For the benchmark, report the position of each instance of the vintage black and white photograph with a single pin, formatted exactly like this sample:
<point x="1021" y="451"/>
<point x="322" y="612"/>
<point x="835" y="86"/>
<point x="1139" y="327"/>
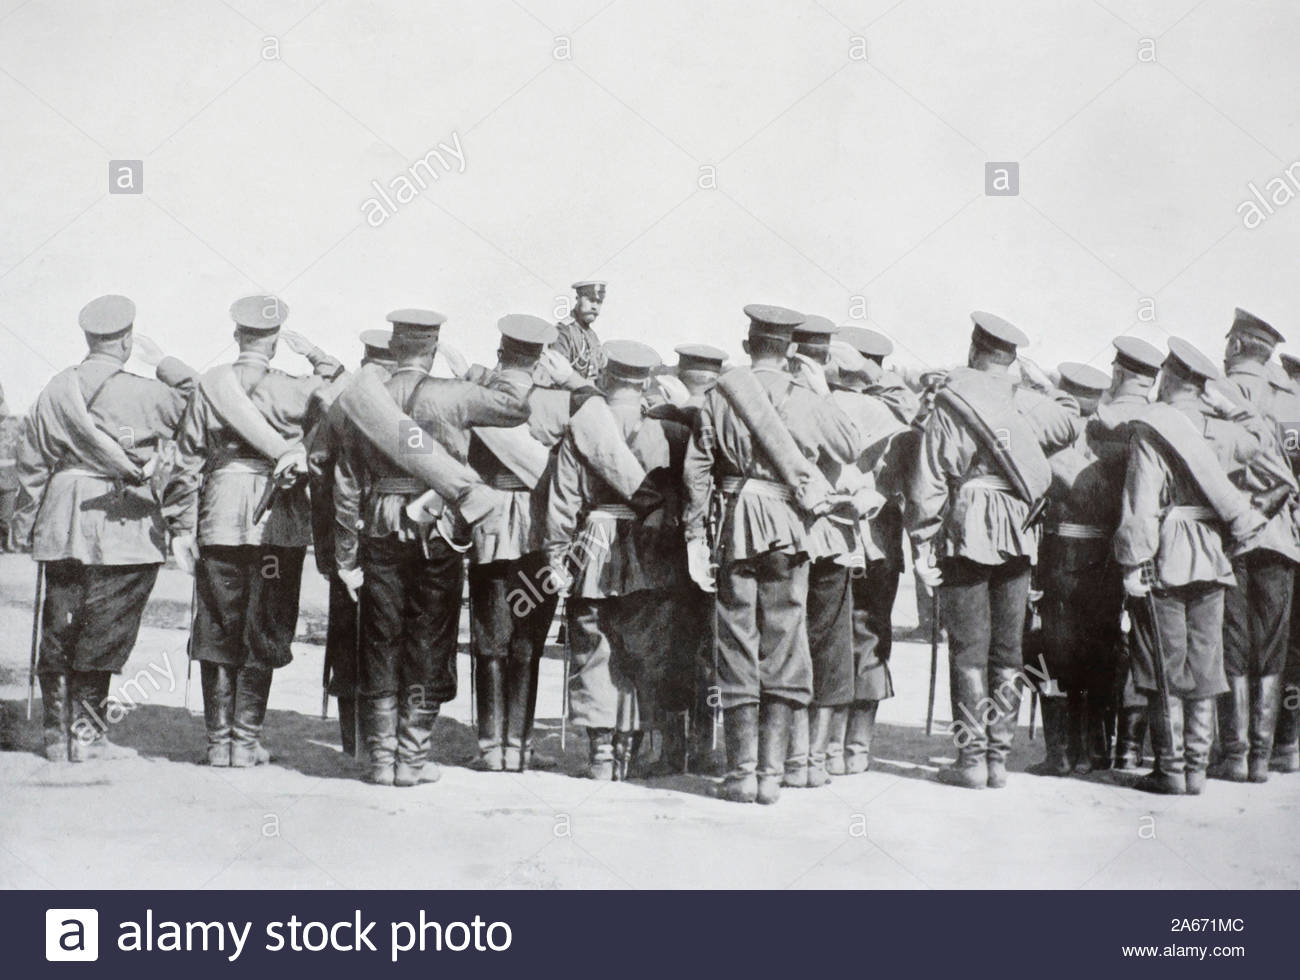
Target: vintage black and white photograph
<point x="628" y="445"/>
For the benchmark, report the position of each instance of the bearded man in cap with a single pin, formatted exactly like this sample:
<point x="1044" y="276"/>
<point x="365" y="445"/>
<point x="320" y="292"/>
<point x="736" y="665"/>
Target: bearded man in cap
<point x="96" y="507"/>
<point x="241" y="445"/>
<point x="576" y="339"/>
<point x="342" y="650"/>
<point x="1180" y="519"/>
<point x="1081" y="595"/>
<point x="621" y="559"/>
<point x="981" y="474"/>
<point x="408" y="573"/>
<point x="756" y="442"/>
<point x="1257" y="608"/>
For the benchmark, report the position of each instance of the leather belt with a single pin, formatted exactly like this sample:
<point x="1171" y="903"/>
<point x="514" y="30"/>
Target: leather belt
<point x="758" y="487"/>
<point x="506" y="480"/>
<point x="397" y="484"/>
<point x="241" y="464"/>
<point x="1081" y="532"/>
<point x="990" y="482"/>
<point x="620" y="512"/>
<point x="1192" y="512"/>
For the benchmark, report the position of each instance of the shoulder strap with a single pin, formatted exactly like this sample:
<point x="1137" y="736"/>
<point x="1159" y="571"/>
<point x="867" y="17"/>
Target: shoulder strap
<point x="99" y="389"/>
<point x="409" y="404"/>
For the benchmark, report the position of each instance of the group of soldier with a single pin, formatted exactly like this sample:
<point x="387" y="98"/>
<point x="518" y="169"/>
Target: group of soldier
<point x="727" y="543"/>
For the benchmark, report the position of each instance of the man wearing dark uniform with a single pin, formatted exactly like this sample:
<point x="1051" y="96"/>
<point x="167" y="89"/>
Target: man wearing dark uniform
<point x="576" y="339"/>
<point x="96" y="515"/>
<point x="1257" y="608"/>
<point x="341" y="648"/>
<point x="241" y="444"/>
<point x="1081" y="596"/>
<point x="757" y="438"/>
<point x="408" y="575"/>
<point x="981" y="469"/>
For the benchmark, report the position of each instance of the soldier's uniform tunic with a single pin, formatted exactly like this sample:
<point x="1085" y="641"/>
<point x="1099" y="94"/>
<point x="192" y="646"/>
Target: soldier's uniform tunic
<point x="1286" y="742"/>
<point x="580" y="346"/>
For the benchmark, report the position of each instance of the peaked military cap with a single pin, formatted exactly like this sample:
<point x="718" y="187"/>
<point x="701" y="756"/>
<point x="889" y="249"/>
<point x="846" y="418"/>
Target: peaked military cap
<point x="1290" y="364"/>
<point x="416" y="324"/>
<point x="868" y="343"/>
<point x="1080" y="379"/>
<point x="1137" y="355"/>
<point x="699" y="357"/>
<point x="775" y="322"/>
<point x="593" y="287"/>
<point x="525" y="333"/>
<point x="259" y="313"/>
<point x="1248" y="325"/>
<point x="630" y="359"/>
<point x="816" y="330"/>
<point x="994" y="332"/>
<point x="106" y="315"/>
<point x="1186" y="360"/>
<point x="376" y="343"/>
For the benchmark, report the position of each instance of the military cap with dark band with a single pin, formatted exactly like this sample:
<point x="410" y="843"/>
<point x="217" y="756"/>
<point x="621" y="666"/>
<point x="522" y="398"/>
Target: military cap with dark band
<point x="416" y="324"/>
<point x="376" y="344"/>
<point x="993" y="332"/>
<point x="629" y="359"/>
<point x="261" y="314"/>
<point x="1186" y="361"/>
<point x="525" y="334"/>
<point x="866" y="342"/>
<point x="1082" y="380"/>
<point x="773" y="322"/>
<point x="816" y="331"/>
<point x="106" y="316"/>
<point x="700" y="357"/>
<point x="592" y="287"/>
<point x="1248" y="325"/>
<point x="1136" y="355"/>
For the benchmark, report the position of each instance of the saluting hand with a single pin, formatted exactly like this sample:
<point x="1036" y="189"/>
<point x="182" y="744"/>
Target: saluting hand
<point x="296" y="342"/>
<point x="814" y="374"/>
<point x="456" y="361"/>
<point x="146" y="350"/>
<point x="553" y="370"/>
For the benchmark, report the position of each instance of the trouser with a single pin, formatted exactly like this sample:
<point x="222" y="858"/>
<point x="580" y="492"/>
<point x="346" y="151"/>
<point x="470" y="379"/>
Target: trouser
<point x="341" y="648"/>
<point x="91" y="615"/>
<point x="873" y="590"/>
<point x="762" y="630"/>
<point x="983" y="610"/>
<point x="1257" y="615"/>
<point x="247" y="604"/>
<point x="617" y="658"/>
<point x="830" y="633"/>
<point x="1190" y="640"/>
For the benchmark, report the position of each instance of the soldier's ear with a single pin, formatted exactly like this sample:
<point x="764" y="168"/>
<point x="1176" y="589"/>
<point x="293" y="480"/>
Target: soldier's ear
<point x="745" y="345"/>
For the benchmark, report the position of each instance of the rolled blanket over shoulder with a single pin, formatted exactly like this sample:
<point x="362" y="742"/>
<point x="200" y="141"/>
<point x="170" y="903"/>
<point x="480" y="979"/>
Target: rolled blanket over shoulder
<point x="517" y="450"/>
<point x="600" y="443"/>
<point x="92" y="444"/>
<point x="221" y="387"/>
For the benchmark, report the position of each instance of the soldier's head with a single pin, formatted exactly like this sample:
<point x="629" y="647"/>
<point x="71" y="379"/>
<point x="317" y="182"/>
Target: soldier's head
<point x="1250" y="339"/>
<point x="872" y="345"/>
<point x="588" y="298"/>
<point x="375" y="349"/>
<point x="812" y="338"/>
<point x="993" y="343"/>
<point x="523" y="338"/>
<point x="415" y="337"/>
<point x="257" y="323"/>
<point x="1135" y="366"/>
<point x="629" y="366"/>
<point x="771" y="334"/>
<point x="1184" y="371"/>
<point x="1084" y="384"/>
<point x="698" y="366"/>
<point x="107" y="323"/>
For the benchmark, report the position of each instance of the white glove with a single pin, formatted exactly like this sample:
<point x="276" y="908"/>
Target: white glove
<point x="1134" y="586"/>
<point x="813" y="374"/>
<point x="146" y="350"/>
<point x="352" y="579"/>
<point x="185" y="551"/>
<point x="926" y="569"/>
<point x="552" y="370"/>
<point x="456" y="361"/>
<point x="673" y="390"/>
<point x="559" y="571"/>
<point x="699" y="565"/>
<point x="425" y="508"/>
<point x="1220" y="403"/>
<point x="291" y="467"/>
<point x="1032" y="375"/>
<point x="297" y="343"/>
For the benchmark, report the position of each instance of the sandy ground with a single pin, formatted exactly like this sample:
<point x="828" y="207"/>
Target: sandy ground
<point x="161" y="821"/>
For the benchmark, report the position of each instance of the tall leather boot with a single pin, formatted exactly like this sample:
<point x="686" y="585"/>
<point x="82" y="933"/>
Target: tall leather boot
<point x="1266" y="699"/>
<point x="836" y="764"/>
<point x="627" y="746"/>
<point x="1002" y="729"/>
<point x="56" y="716"/>
<point x="859" y="733"/>
<point x="970" y="771"/>
<point x="252" y="689"/>
<point x="1056" y="762"/>
<point x="1077" y="728"/>
<point x="1198" y="734"/>
<point x="1099" y="741"/>
<point x="819" y="739"/>
<point x="600" y="763"/>
<point x="740" y="727"/>
<point x="1234" y="731"/>
<point x="379" y="735"/>
<point x="88" y="741"/>
<point x="796" y="757"/>
<point x="490" y="698"/>
<point x="1132" y="733"/>
<point x="773" y="736"/>
<point x="348" y="726"/>
<point x="416" y="716"/>
<point x="520" y="704"/>
<point x="1286" y="740"/>
<point x="218" y="682"/>
<point x="672" y="750"/>
<point x="1165" y="718"/>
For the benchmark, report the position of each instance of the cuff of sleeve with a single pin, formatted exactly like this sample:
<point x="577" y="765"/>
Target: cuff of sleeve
<point x="173" y="372"/>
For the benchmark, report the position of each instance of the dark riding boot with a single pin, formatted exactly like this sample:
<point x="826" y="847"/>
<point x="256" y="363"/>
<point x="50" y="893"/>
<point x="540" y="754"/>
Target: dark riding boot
<point x="970" y="771"/>
<point x="520" y="705"/>
<point x="672" y="749"/>
<point x="773" y="736"/>
<point x="1198" y="735"/>
<point x="836" y="763"/>
<point x="348" y="726"/>
<point x="1056" y="762"/>
<point x="859" y="733"/>
<point x="819" y="739"/>
<point x="252" y="690"/>
<point x="600" y="764"/>
<point x="1286" y="740"/>
<point x="1234" y="732"/>
<point x="56" y="716"/>
<point x="1266" y="699"/>
<point x="740" y="727"/>
<point x="1100" y="738"/>
<point x="627" y="746"/>
<point x="1077" y="747"/>
<point x="416" y="716"/>
<point x="1002" y="729"/>
<point x="490" y="698"/>
<point x="1132" y="733"/>
<point x="796" y="756"/>
<point x="88" y="741"/>
<point x="379" y="735"/>
<point x="1165" y="719"/>
<point x="218" y="682"/>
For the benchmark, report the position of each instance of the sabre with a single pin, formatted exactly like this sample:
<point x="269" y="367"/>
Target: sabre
<point x="38" y="623"/>
<point x="264" y="503"/>
<point x="564" y="688"/>
<point x="1162" y="680"/>
<point x="325" y="684"/>
<point x="934" y="659"/>
<point x="358" y="752"/>
<point x="189" y="642"/>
